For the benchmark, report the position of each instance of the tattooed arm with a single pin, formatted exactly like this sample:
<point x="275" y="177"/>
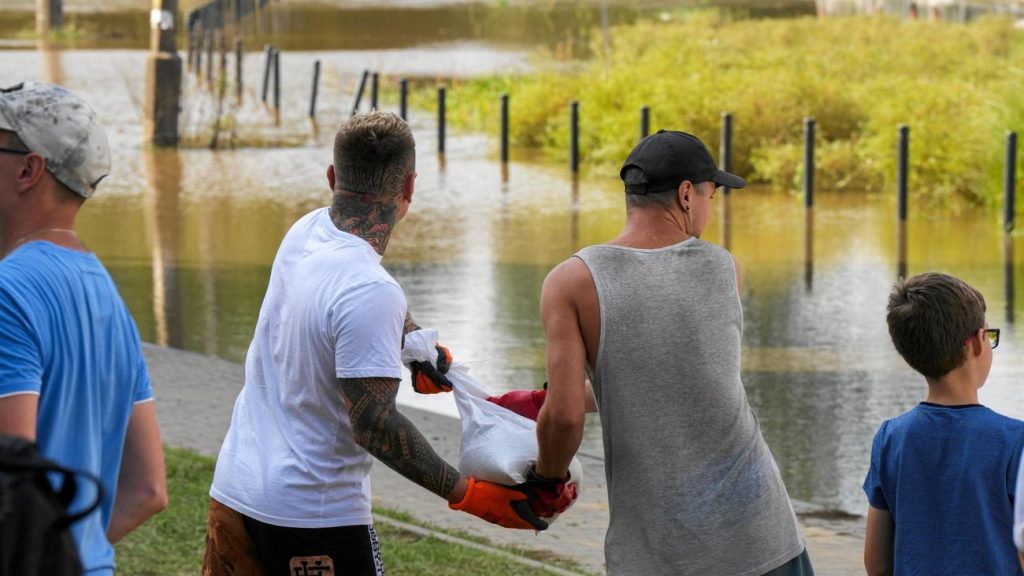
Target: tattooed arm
<point x="383" y="431"/>
<point x="410" y="324"/>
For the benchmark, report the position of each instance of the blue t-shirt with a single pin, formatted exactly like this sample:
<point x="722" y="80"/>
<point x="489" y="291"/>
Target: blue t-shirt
<point x="947" y="476"/>
<point x="66" y="335"/>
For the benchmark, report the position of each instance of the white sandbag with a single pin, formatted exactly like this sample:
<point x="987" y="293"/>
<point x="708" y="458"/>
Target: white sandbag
<point x="498" y="445"/>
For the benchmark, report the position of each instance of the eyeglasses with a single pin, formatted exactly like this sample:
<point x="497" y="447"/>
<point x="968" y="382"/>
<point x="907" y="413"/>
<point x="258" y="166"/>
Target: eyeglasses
<point x="13" y="151"/>
<point x="993" y="337"/>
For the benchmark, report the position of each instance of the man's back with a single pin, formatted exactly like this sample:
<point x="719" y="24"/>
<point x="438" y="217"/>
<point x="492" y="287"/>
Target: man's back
<point x="692" y="486"/>
<point x="947" y="476"/>
<point x="290" y="458"/>
<point x="65" y="334"/>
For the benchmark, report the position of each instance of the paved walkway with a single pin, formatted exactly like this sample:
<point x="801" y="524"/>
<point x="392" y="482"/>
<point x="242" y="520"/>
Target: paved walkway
<point x="195" y="395"/>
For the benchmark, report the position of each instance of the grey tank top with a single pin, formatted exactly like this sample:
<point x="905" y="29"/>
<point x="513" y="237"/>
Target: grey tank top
<point x="692" y="486"/>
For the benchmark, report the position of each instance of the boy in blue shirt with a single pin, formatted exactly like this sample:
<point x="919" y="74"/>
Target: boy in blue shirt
<point x="942" y="478"/>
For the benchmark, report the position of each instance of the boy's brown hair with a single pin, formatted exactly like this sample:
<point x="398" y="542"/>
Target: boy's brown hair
<point x="930" y="317"/>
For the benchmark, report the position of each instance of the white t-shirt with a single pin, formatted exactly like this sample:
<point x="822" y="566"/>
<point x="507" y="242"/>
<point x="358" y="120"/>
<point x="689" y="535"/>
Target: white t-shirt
<point x="331" y="311"/>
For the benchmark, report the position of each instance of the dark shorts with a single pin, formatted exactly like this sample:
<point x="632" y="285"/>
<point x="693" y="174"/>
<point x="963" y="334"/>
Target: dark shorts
<point x="237" y="545"/>
<point x="799" y="566"/>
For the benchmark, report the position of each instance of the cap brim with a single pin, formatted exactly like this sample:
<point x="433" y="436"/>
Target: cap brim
<point x="728" y="180"/>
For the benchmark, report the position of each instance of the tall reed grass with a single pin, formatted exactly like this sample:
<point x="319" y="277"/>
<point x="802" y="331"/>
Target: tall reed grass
<point x="959" y="88"/>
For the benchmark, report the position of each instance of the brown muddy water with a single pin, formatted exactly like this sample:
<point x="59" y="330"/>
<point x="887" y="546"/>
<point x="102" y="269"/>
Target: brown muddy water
<point x="190" y="235"/>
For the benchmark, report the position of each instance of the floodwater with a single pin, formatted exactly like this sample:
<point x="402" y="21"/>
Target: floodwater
<point x="190" y="235"/>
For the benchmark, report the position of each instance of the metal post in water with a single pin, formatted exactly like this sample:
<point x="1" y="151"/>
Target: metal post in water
<point x="238" y="69"/>
<point x="359" y="92"/>
<point x="209" y="58"/>
<point x="441" y="104"/>
<point x="901" y="199"/>
<point x="1009" y="283"/>
<point x="374" y="80"/>
<point x="316" y="86"/>
<point x="1010" y="182"/>
<point x="268" y="55"/>
<point x="725" y="155"/>
<point x="403" y="98"/>
<point x="645" y="121"/>
<point x="901" y="176"/>
<point x="504" y="128"/>
<point x="809" y="162"/>
<point x="277" y="81"/>
<point x="574" y="137"/>
<point x="49" y="16"/>
<point x="163" y="78"/>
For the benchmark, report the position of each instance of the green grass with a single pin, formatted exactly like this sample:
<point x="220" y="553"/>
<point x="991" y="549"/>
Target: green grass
<point x="957" y="86"/>
<point x="172" y="543"/>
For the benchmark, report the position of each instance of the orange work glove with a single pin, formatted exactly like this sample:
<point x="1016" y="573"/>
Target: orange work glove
<point x="523" y="402"/>
<point x="505" y="506"/>
<point x="426" y="379"/>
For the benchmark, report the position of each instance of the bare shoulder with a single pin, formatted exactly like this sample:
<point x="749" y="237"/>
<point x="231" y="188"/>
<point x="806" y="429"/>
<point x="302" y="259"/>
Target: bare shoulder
<point x="568" y="278"/>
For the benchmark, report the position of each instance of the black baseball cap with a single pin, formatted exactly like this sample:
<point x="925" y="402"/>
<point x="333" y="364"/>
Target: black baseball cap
<point x="667" y="157"/>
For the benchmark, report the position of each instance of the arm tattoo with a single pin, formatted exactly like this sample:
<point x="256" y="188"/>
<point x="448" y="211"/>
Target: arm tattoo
<point x="384" y="432"/>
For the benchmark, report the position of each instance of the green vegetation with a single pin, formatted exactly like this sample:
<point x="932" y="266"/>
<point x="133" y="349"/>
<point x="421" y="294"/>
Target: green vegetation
<point x="956" y="86"/>
<point x="172" y="543"/>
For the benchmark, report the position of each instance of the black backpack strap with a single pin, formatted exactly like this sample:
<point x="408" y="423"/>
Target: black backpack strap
<point x="21" y="454"/>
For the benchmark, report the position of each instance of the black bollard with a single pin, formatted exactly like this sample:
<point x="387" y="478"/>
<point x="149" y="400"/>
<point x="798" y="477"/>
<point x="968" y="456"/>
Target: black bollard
<point x="1010" y="182"/>
<point x="725" y="152"/>
<point x="238" y="69"/>
<point x="645" y="122"/>
<point x="403" y="98"/>
<point x="574" y="136"/>
<point x="440" y="119"/>
<point x="809" y="162"/>
<point x="267" y="57"/>
<point x="316" y="85"/>
<point x="209" y="58"/>
<point x="359" y="92"/>
<point x="373" y="90"/>
<point x="277" y="80"/>
<point x="504" y="128"/>
<point x="901" y="177"/>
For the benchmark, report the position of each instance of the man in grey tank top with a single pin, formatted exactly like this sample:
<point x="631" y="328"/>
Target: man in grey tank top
<point x="654" y="318"/>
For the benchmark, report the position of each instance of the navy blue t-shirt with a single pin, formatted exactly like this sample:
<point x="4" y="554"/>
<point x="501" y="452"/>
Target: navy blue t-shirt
<point x="947" y="476"/>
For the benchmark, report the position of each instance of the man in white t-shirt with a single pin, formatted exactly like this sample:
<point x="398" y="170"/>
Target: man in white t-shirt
<point x="292" y="488"/>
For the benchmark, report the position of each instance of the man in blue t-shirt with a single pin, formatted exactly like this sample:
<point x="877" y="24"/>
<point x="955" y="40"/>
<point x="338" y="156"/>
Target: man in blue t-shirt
<point x="72" y="375"/>
<point x="942" y="480"/>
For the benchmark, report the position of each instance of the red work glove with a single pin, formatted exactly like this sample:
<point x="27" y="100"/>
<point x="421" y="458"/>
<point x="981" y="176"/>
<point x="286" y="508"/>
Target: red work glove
<point x="523" y="402"/>
<point x="426" y="379"/>
<point x="505" y="506"/>
<point x="549" y="497"/>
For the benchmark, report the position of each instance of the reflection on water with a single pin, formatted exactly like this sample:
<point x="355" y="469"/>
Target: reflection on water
<point x="189" y="237"/>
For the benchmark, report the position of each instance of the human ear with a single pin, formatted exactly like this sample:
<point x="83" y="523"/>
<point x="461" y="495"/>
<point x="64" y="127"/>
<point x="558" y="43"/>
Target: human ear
<point x="31" y="171"/>
<point x="330" y="176"/>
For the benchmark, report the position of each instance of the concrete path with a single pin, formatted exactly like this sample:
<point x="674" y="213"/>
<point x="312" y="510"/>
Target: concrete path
<point x="195" y="395"/>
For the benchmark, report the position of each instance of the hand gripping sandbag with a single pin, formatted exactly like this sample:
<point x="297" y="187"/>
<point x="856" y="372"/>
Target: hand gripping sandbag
<point x="498" y="445"/>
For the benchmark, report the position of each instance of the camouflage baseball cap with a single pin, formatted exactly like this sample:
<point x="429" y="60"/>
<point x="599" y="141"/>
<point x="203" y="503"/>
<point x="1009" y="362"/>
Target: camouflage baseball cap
<point x="62" y="128"/>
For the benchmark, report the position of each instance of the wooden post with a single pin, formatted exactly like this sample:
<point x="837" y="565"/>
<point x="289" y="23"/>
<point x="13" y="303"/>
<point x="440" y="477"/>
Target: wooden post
<point x="49" y="16"/>
<point x="1010" y="182"/>
<point x="374" y="81"/>
<point x="809" y="162"/>
<point x="725" y="154"/>
<point x="403" y="98"/>
<point x="163" y="77"/>
<point x="359" y="92"/>
<point x="238" y="69"/>
<point x="574" y="137"/>
<point x="441" y="118"/>
<point x="504" y="128"/>
<point x="903" y="154"/>
<point x="268" y="56"/>
<point x="316" y="85"/>
<point x="645" y="122"/>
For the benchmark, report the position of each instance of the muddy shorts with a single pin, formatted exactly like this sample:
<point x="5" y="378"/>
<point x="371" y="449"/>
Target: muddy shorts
<point x="237" y="545"/>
